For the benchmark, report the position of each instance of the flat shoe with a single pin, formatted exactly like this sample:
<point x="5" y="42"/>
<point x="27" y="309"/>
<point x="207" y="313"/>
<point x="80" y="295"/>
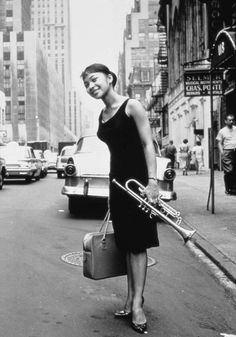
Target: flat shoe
<point x="140" y="328"/>
<point x="122" y="314"/>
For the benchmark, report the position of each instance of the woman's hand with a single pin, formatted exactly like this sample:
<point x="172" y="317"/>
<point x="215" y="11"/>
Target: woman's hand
<point x="151" y="191"/>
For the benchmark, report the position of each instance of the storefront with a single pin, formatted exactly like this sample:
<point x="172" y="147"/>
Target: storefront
<point x="224" y="58"/>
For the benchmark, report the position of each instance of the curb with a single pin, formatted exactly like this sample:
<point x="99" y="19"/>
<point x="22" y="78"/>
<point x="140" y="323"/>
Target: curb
<point x="223" y="262"/>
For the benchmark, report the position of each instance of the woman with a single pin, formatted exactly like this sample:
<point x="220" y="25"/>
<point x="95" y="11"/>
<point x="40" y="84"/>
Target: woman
<point x="197" y="152"/>
<point x="124" y="127"/>
<point x="184" y="153"/>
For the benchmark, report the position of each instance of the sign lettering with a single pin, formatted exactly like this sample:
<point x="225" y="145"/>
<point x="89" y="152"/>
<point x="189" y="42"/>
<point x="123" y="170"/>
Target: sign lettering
<point x="197" y="83"/>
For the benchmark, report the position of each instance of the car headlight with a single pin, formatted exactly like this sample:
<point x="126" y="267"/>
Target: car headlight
<point x="70" y="170"/>
<point x="169" y="174"/>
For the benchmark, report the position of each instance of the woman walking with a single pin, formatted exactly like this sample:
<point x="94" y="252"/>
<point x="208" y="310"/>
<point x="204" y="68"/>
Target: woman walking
<point x="184" y="154"/>
<point x="197" y="152"/>
<point x="124" y="127"/>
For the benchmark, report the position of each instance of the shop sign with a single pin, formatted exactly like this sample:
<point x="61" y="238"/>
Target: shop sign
<point x="197" y="83"/>
<point x="224" y="48"/>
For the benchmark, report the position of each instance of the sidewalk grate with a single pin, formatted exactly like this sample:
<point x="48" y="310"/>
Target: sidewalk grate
<point x="76" y="259"/>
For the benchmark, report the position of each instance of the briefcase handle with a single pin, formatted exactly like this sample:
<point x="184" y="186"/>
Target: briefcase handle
<point x="105" y="225"/>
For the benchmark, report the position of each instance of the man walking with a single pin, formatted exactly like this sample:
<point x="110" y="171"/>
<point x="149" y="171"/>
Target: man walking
<point x="170" y="152"/>
<point x="227" y="146"/>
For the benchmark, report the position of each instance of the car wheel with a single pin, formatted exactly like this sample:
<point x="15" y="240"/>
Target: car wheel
<point x="28" y="179"/>
<point x="1" y="181"/>
<point x="59" y="175"/>
<point x="73" y="205"/>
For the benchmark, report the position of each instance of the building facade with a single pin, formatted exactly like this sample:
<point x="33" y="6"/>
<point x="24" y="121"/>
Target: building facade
<point x="191" y="28"/>
<point x="2" y="117"/>
<point x="33" y="90"/>
<point x="34" y="93"/>
<point x="51" y="21"/>
<point x="75" y="112"/>
<point x="139" y="49"/>
<point x="15" y="15"/>
<point x="139" y="73"/>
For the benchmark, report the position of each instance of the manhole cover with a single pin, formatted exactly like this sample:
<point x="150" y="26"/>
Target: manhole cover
<point x="76" y="259"/>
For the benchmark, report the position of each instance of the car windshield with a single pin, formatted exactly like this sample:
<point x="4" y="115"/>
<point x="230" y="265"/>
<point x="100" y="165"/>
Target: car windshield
<point x="50" y="156"/>
<point x="15" y="152"/>
<point x="68" y="151"/>
<point x="90" y="144"/>
<point x="38" y="154"/>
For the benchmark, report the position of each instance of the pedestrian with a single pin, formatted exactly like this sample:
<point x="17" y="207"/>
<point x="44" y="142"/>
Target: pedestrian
<point x="124" y="127"/>
<point x="170" y="152"/>
<point x="227" y="146"/>
<point x="198" y="156"/>
<point x="184" y="156"/>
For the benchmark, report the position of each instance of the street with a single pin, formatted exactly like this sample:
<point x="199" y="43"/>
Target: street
<point x="42" y="296"/>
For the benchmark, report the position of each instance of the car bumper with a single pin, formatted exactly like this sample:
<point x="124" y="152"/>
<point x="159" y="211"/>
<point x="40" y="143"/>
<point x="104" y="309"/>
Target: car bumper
<point x="88" y="187"/>
<point x="167" y="195"/>
<point x="60" y="168"/>
<point x="17" y="174"/>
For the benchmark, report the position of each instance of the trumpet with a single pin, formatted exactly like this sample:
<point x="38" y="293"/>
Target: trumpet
<point x="161" y="209"/>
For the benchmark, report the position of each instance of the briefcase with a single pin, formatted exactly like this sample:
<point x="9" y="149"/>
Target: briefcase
<point x="101" y="256"/>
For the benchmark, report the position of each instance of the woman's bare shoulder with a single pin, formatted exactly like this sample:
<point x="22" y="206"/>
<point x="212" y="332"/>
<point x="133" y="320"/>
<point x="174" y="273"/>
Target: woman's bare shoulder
<point x="133" y="107"/>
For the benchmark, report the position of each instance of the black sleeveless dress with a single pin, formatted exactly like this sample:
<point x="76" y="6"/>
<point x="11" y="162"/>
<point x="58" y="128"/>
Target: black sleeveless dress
<point x="134" y="230"/>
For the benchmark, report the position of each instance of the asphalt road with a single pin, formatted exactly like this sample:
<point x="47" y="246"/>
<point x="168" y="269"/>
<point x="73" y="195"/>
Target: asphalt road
<point x="43" y="296"/>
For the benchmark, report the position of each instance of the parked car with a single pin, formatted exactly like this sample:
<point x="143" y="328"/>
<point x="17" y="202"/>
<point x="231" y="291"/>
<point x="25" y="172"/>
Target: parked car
<point x="65" y="153"/>
<point x="51" y="158"/>
<point x="3" y="171"/>
<point x="165" y="176"/>
<point x="40" y="156"/>
<point x="87" y="173"/>
<point x="21" y="162"/>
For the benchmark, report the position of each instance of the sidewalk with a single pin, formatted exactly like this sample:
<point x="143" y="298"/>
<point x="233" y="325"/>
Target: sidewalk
<point x="216" y="233"/>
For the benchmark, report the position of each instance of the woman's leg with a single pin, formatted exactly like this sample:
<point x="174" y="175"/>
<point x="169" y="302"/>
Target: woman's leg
<point x="130" y="294"/>
<point x="197" y="166"/>
<point x="138" y="266"/>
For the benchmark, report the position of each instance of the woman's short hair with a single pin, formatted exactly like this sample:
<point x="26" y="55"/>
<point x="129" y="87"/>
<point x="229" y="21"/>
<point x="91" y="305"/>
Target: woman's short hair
<point x="99" y="68"/>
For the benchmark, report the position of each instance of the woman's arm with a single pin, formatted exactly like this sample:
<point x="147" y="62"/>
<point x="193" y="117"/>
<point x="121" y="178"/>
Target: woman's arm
<point x="137" y="112"/>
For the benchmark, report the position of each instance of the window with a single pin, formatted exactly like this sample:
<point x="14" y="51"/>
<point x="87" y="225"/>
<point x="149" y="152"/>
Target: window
<point x="7" y="91"/>
<point x="20" y="73"/>
<point x="8" y="111"/>
<point x="165" y="121"/>
<point x="9" y="29"/>
<point x="20" y="37"/>
<point x="21" y="110"/>
<point x="9" y="13"/>
<point x="6" y="56"/>
<point x="6" y="37"/>
<point x="20" y="55"/>
<point x="20" y="89"/>
<point x="7" y="72"/>
<point x="145" y="76"/>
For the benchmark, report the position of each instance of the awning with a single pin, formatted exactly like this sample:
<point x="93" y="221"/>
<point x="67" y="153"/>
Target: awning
<point x="224" y="52"/>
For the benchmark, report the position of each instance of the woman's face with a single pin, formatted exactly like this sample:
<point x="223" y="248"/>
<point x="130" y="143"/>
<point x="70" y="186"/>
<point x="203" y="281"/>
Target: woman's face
<point x="97" y="84"/>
